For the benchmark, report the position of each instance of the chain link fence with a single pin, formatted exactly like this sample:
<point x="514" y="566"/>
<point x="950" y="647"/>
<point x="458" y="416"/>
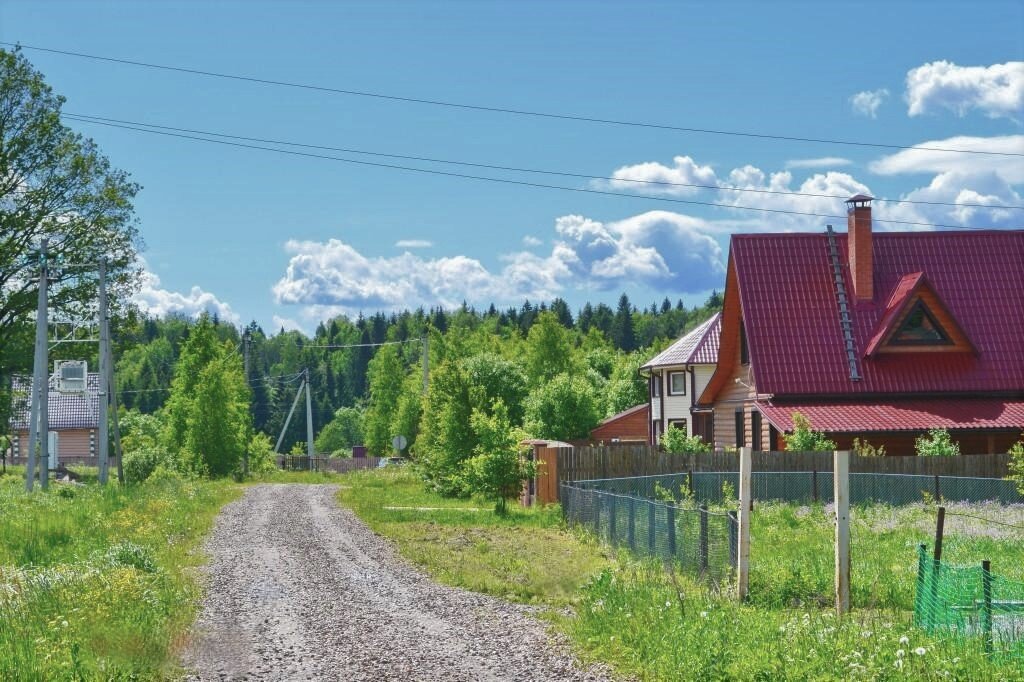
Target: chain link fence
<point x="970" y="602"/>
<point x="699" y="540"/>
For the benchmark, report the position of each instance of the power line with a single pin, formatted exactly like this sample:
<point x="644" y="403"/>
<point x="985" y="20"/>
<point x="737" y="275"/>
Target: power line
<point x="102" y="120"/>
<point x="521" y="183"/>
<point x="499" y="110"/>
<point x="982" y="518"/>
<point x="360" y="345"/>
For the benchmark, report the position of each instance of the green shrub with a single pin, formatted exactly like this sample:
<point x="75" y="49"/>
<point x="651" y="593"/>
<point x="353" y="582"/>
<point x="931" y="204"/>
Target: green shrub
<point x="676" y="441"/>
<point x="805" y="439"/>
<point x="866" y="449"/>
<point x="261" y="454"/>
<point x="937" y="444"/>
<point x="498" y="468"/>
<point x="140" y="464"/>
<point x="1017" y="464"/>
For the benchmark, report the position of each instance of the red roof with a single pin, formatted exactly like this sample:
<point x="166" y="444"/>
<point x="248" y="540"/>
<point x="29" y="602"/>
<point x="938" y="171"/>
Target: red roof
<point x="791" y="315"/>
<point x="904" y="415"/>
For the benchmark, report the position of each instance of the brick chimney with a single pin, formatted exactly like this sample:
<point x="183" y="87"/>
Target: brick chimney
<point x="858" y="222"/>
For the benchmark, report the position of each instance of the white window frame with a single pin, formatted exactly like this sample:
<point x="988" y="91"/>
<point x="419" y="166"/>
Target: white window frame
<point x="670" y="376"/>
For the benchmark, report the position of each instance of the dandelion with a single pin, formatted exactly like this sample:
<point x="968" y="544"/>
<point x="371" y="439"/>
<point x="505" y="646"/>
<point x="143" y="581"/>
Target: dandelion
<point x="866" y="634"/>
<point x="703" y="614"/>
<point x="668" y="604"/>
<point x="900" y="653"/>
<point x="899" y="664"/>
<point x="904" y="640"/>
<point x="920" y="651"/>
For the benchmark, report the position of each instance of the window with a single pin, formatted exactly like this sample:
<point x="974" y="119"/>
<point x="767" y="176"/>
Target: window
<point x="920" y="328"/>
<point x="679" y="424"/>
<point x="655" y="385"/>
<point x="677" y="383"/>
<point x="755" y="430"/>
<point x="741" y="436"/>
<point x="773" y="438"/>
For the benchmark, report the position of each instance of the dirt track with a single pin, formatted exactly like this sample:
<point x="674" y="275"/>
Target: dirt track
<point x="300" y="589"/>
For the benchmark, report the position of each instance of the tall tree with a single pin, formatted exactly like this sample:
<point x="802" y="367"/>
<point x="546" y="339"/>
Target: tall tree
<point x="54" y="184"/>
<point x="548" y="349"/>
<point x="623" y="335"/>
<point x="386" y="377"/>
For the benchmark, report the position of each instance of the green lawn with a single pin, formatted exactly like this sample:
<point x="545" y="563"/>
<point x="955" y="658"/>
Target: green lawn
<point x="98" y="583"/>
<point x="657" y="624"/>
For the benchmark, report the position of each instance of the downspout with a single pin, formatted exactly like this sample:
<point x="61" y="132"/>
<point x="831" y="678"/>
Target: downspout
<point x="693" y="398"/>
<point x="661" y="400"/>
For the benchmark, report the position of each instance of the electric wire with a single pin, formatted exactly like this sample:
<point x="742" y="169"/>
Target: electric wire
<point x="89" y="118"/>
<point x="523" y="183"/>
<point x="987" y="520"/>
<point x="495" y="109"/>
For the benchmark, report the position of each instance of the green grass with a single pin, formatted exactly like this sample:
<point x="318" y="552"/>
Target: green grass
<point x="655" y="624"/>
<point x="99" y="583"/>
<point x="525" y="556"/>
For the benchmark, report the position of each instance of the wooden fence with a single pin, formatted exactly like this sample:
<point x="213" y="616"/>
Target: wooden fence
<point x="339" y="465"/>
<point x="580" y="464"/>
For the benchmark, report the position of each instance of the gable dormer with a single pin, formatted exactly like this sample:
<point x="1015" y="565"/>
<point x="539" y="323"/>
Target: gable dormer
<point x="917" y="321"/>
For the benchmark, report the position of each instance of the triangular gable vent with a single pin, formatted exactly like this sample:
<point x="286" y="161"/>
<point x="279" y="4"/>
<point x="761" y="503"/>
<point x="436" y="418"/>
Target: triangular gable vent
<point x="916" y="320"/>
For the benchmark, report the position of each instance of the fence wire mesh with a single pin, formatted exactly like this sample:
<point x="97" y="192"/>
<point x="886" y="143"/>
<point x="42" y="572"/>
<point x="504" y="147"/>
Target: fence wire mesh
<point x="700" y="540"/>
<point x="812" y="486"/>
<point x="970" y="602"/>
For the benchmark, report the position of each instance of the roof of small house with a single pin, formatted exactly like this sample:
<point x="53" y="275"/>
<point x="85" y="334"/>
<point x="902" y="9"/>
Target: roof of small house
<point x="66" y="410"/>
<point x="699" y="347"/>
<point x="791" y="317"/>
<point x="900" y="415"/>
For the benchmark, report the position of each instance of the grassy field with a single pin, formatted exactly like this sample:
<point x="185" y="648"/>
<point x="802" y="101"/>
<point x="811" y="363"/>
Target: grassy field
<point x="526" y="556"/>
<point x="661" y="625"/>
<point x="98" y="583"/>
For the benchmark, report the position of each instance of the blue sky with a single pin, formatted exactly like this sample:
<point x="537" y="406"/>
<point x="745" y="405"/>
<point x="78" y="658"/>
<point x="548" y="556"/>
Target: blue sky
<point x="288" y="240"/>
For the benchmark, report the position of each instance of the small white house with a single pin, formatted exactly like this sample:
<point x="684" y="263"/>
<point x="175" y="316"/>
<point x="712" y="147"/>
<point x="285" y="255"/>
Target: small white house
<point x="676" y="378"/>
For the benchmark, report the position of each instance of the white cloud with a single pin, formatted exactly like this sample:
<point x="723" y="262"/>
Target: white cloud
<point x="996" y="90"/>
<point x="414" y="244"/>
<point x="959" y="188"/>
<point x="684" y="172"/>
<point x="822" y="162"/>
<point x="155" y="300"/>
<point x="918" y="160"/>
<point x="531" y="241"/>
<point x="658" y="248"/>
<point x="867" y="102"/>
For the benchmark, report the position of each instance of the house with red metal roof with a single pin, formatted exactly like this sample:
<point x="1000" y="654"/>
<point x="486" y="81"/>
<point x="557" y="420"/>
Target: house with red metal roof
<point x="677" y="376"/>
<point x="73" y="417"/>
<point x="872" y="335"/>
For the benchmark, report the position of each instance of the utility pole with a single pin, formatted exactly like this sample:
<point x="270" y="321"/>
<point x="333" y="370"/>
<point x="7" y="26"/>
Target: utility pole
<point x="288" y="419"/>
<point x="105" y="387"/>
<point x="309" y="420"/>
<point x="38" y="413"/>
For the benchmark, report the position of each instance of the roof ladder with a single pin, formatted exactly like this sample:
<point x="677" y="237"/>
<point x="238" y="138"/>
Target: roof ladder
<point x="845" y="321"/>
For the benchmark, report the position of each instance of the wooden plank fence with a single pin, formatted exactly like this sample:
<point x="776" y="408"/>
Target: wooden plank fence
<point x="578" y="464"/>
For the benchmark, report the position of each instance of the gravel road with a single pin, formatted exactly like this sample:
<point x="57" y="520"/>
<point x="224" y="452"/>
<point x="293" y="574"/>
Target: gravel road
<point x="301" y="589"/>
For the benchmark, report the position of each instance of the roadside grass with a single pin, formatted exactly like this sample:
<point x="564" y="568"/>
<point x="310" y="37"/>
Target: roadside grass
<point x="99" y="583"/>
<point x="653" y="623"/>
<point x="525" y="556"/>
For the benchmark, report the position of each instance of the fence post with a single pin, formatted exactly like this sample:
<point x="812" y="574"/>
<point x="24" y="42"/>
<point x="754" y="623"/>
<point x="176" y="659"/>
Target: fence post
<point x="703" y="538"/>
<point x="733" y="542"/>
<point x="986" y="608"/>
<point x="595" y="504"/>
<point x="671" y="529"/>
<point x="651" y="521"/>
<point x="689" y="483"/>
<point x="938" y="491"/>
<point x="841" y="479"/>
<point x="612" y="504"/>
<point x="940" y="525"/>
<point x="631" y="528"/>
<point x="743" y="540"/>
<point x="814" y="484"/>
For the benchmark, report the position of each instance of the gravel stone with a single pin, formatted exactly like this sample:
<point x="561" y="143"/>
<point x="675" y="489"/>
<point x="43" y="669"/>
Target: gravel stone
<point x="299" y="588"/>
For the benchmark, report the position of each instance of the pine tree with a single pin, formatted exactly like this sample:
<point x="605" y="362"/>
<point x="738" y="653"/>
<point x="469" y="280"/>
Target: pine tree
<point x="622" y="334"/>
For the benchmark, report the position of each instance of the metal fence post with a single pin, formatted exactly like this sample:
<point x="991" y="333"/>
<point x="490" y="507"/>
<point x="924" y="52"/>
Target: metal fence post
<point x="814" y="485"/>
<point x="703" y="538"/>
<point x="743" y="540"/>
<point x="841" y="498"/>
<point x="938" y="491"/>
<point x="986" y="608"/>
<point x="922" y="567"/>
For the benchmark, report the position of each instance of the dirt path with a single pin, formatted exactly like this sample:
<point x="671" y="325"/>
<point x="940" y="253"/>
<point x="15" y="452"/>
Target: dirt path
<point x="300" y="589"/>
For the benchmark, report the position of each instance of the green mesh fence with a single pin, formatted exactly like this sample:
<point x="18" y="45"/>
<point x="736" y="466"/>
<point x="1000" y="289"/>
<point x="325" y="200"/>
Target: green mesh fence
<point x="699" y="540"/>
<point x="970" y="601"/>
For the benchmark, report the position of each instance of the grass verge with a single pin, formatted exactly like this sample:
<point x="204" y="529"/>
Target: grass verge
<point x="98" y="583"/>
<point x="525" y="556"/>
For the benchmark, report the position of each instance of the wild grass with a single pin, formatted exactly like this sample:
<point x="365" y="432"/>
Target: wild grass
<point x="655" y="623"/>
<point x="525" y="556"/>
<point x="98" y="583"/>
